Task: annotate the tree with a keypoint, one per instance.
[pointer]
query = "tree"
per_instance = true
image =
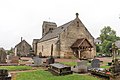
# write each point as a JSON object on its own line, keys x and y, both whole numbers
{"x": 10, "y": 51}
{"x": 108, "y": 34}
{"x": 97, "y": 48}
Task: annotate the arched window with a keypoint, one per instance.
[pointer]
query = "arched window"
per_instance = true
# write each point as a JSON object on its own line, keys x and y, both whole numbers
{"x": 42, "y": 48}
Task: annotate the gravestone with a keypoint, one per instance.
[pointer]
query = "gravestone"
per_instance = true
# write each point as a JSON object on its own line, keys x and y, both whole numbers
{"x": 50, "y": 60}
{"x": 95, "y": 63}
{"x": 81, "y": 67}
{"x": 2, "y": 56}
{"x": 14, "y": 59}
{"x": 37, "y": 61}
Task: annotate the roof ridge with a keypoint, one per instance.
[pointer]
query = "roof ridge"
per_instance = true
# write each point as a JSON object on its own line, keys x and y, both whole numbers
{"x": 55, "y": 32}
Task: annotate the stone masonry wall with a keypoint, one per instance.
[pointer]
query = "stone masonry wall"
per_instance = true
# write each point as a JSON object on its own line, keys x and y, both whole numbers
{"x": 45, "y": 47}
{"x": 71, "y": 34}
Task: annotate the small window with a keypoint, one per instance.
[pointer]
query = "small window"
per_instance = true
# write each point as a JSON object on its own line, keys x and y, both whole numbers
{"x": 43, "y": 30}
{"x": 77, "y": 24}
{"x": 50, "y": 29}
{"x": 42, "y": 48}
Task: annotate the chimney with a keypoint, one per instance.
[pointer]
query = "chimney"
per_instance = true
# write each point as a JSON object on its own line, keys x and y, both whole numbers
{"x": 77, "y": 15}
{"x": 21, "y": 39}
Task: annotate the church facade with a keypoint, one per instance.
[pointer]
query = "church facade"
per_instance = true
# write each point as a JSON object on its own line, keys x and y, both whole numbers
{"x": 68, "y": 40}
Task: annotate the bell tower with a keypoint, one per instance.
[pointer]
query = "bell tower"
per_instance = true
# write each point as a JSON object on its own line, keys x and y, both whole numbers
{"x": 48, "y": 26}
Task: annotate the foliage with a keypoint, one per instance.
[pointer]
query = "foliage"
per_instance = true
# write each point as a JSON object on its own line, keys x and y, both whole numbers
{"x": 107, "y": 36}
{"x": 15, "y": 68}
{"x": 69, "y": 63}
{"x": 10, "y": 51}
{"x": 45, "y": 75}
{"x": 106, "y": 67}
{"x": 106, "y": 45}
{"x": 98, "y": 47}
{"x": 119, "y": 51}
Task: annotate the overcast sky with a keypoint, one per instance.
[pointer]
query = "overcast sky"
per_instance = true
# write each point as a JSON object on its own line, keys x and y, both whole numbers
{"x": 24, "y": 18}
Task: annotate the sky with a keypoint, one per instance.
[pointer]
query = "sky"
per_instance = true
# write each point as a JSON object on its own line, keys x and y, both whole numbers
{"x": 24, "y": 18}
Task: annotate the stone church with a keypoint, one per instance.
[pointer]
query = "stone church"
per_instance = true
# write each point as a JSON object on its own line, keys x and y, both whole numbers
{"x": 68, "y": 40}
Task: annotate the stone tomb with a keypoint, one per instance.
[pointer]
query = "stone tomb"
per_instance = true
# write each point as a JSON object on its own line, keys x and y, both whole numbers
{"x": 37, "y": 61}
{"x": 81, "y": 67}
{"x": 60, "y": 69}
{"x": 95, "y": 63}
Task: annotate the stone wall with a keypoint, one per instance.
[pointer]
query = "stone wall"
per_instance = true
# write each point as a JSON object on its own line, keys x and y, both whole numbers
{"x": 23, "y": 48}
{"x": 71, "y": 34}
{"x": 62, "y": 44}
{"x": 45, "y": 47}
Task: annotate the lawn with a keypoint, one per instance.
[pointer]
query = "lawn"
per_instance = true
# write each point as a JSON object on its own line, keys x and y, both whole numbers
{"x": 69, "y": 63}
{"x": 106, "y": 67}
{"x": 88, "y": 64}
{"x": 45, "y": 75}
{"x": 16, "y": 68}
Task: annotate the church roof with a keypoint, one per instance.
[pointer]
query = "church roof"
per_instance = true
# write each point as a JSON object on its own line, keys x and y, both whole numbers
{"x": 54, "y": 33}
{"x": 83, "y": 42}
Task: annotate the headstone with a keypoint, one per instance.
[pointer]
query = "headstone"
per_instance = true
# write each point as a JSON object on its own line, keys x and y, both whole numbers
{"x": 2, "y": 56}
{"x": 95, "y": 63}
{"x": 81, "y": 67}
{"x": 40, "y": 54}
{"x": 50, "y": 60}
{"x": 37, "y": 61}
{"x": 15, "y": 59}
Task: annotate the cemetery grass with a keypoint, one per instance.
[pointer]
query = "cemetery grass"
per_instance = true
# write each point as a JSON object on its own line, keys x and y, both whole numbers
{"x": 16, "y": 68}
{"x": 46, "y": 75}
{"x": 75, "y": 63}
{"x": 69, "y": 63}
{"x": 106, "y": 67}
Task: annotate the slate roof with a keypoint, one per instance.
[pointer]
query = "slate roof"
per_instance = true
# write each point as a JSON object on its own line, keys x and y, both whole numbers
{"x": 54, "y": 33}
{"x": 22, "y": 42}
{"x": 2, "y": 49}
{"x": 97, "y": 40}
{"x": 79, "y": 42}
{"x": 117, "y": 43}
